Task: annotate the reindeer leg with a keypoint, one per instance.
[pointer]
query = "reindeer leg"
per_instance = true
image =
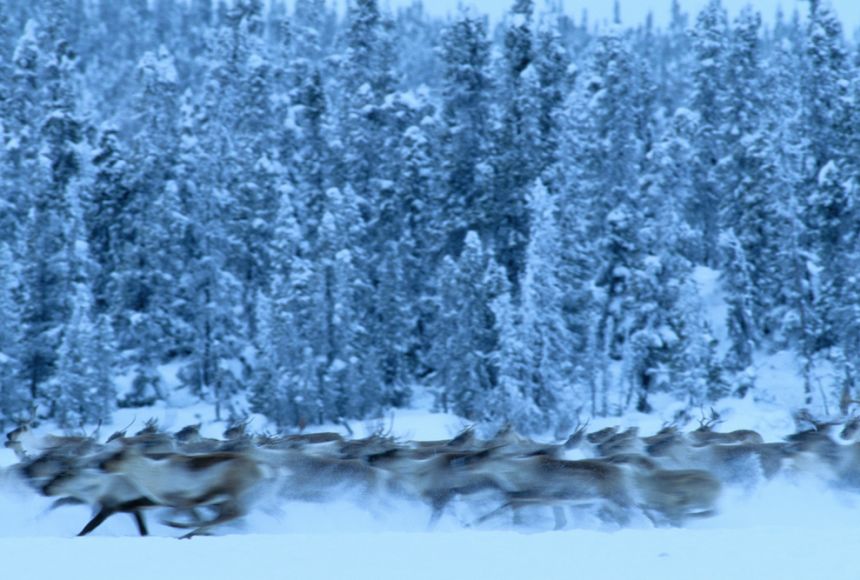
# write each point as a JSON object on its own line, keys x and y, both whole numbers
{"x": 65, "y": 501}
{"x": 103, "y": 514}
{"x": 560, "y": 519}
{"x": 196, "y": 520}
{"x": 141, "y": 523}
{"x": 495, "y": 512}
{"x": 228, "y": 512}
{"x": 438, "y": 501}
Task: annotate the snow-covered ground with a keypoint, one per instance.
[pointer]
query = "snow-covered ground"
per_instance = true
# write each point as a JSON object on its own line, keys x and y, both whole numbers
{"x": 765, "y": 552}
{"x": 792, "y": 527}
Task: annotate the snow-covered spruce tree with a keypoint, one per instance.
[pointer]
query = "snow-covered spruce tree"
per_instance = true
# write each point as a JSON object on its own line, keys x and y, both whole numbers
{"x": 515, "y": 139}
{"x": 45, "y": 266}
{"x": 737, "y": 279}
{"x": 708, "y": 98}
{"x": 318, "y": 363}
{"x": 306, "y": 29}
{"x": 304, "y": 146}
{"x": 345, "y": 394}
{"x": 601, "y": 181}
{"x": 787, "y": 315}
{"x": 674, "y": 349}
{"x": 282, "y": 354}
{"x": 368, "y": 118}
{"x": 509, "y": 403}
{"x": 364, "y": 83}
{"x": 603, "y": 125}
{"x": 395, "y": 323}
{"x": 554, "y": 79}
{"x": 108, "y": 195}
{"x": 246, "y": 81}
{"x": 623, "y": 260}
{"x": 15, "y": 398}
{"x": 292, "y": 398}
{"x": 73, "y": 393}
{"x": 465, "y": 86}
{"x": 22, "y": 106}
{"x": 465, "y": 338}
{"x": 82, "y": 390}
{"x": 213, "y": 369}
{"x": 423, "y": 202}
{"x": 348, "y": 357}
{"x": 7, "y": 46}
{"x": 548, "y": 383}
{"x": 749, "y": 239}
{"x": 672, "y": 66}
{"x": 577, "y": 245}
{"x": 849, "y": 299}
{"x": 826, "y": 186}
{"x": 149, "y": 321}
{"x": 417, "y": 40}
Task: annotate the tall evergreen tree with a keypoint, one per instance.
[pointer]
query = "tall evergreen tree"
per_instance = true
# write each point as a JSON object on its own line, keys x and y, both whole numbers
{"x": 150, "y": 324}
{"x": 710, "y": 43}
{"x": 214, "y": 368}
{"x": 465, "y": 52}
{"x": 47, "y": 272}
{"x": 548, "y": 382}
{"x": 465, "y": 336}
{"x": 15, "y": 398}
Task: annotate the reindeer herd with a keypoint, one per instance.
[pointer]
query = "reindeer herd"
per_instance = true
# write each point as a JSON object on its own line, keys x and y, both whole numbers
{"x": 198, "y": 483}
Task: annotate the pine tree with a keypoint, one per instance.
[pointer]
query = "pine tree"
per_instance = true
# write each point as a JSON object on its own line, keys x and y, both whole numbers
{"x": 15, "y": 399}
{"x": 47, "y": 271}
{"x": 213, "y": 370}
{"x": 22, "y": 106}
{"x": 464, "y": 336}
{"x": 553, "y": 81}
{"x": 674, "y": 350}
{"x": 710, "y": 43}
{"x": 549, "y": 372}
{"x": 109, "y": 196}
{"x": 151, "y": 326}
{"x": 516, "y": 139}
{"x": 739, "y": 285}
{"x": 277, "y": 390}
{"x": 509, "y": 402}
{"x": 465, "y": 52}
{"x": 603, "y": 127}
{"x": 82, "y": 390}
{"x": 750, "y": 209}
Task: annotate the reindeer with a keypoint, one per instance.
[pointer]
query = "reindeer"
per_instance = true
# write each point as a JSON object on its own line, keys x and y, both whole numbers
{"x": 507, "y": 442}
{"x": 148, "y": 440}
{"x": 438, "y": 477}
{"x": 556, "y": 483}
{"x": 65, "y": 468}
{"x": 108, "y": 493}
{"x": 851, "y": 430}
{"x": 220, "y": 481}
{"x": 705, "y": 434}
{"x": 620, "y": 442}
{"x": 672, "y": 495}
{"x": 24, "y": 443}
{"x": 189, "y": 441}
{"x": 313, "y": 477}
{"x": 734, "y": 463}
{"x": 815, "y": 451}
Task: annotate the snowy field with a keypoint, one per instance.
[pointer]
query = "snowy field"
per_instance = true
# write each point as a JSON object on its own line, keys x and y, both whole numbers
{"x": 761, "y": 552}
{"x": 792, "y": 527}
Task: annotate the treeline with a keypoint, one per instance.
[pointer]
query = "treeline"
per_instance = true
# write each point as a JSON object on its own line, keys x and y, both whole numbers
{"x": 312, "y": 215}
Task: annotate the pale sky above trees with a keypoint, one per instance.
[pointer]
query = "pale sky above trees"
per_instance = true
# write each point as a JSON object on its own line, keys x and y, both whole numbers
{"x": 634, "y": 11}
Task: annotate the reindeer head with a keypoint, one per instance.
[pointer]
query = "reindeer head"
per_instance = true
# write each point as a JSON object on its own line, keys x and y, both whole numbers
{"x": 851, "y": 429}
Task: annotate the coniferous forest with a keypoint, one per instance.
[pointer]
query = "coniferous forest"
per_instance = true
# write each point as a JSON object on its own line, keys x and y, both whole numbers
{"x": 312, "y": 215}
